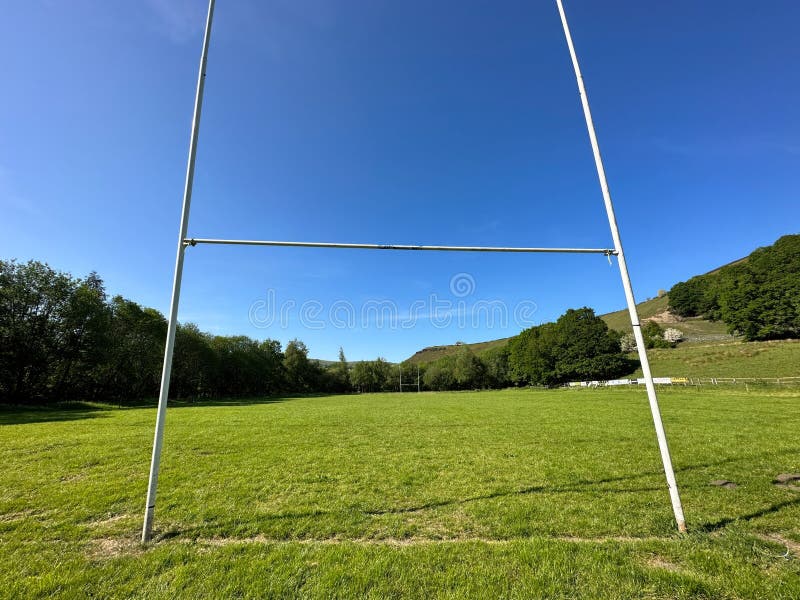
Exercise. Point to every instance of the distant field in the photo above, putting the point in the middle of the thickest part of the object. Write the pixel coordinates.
(516, 493)
(731, 359)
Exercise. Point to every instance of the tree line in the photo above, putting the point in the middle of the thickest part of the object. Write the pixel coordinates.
(757, 298)
(63, 338)
(578, 346)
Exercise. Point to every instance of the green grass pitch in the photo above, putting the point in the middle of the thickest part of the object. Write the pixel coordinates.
(515, 494)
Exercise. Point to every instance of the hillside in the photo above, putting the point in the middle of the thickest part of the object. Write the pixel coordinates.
(432, 353)
(695, 329)
(727, 359)
(716, 358)
(754, 296)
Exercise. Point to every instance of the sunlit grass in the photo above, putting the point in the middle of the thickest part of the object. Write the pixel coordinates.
(517, 493)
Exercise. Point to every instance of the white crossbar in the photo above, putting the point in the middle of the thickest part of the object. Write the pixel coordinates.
(195, 241)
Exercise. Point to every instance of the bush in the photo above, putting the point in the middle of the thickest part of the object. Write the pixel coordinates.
(627, 343)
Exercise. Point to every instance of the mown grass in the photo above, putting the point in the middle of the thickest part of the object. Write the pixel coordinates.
(517, 493)
(779, 358)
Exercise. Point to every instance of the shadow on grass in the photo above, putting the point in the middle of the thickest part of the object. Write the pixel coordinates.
(71, 411)
(773, 508)
(23, 415)
(583, 486)
(208, 527)
(537, 489)
(694, 467)
(229, 402)
(210, 402)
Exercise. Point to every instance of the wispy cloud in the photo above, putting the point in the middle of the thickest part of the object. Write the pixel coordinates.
(740, 147)
(179, 20)
(278, 29)
(482, 226)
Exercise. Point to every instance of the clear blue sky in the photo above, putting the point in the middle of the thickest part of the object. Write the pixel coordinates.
(394, 122)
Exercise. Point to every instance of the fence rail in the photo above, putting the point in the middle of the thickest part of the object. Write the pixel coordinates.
(690, 381)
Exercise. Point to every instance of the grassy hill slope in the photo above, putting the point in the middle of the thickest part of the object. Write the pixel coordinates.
(620, 320)
(730, 359)
(695, 329)
(432, 353)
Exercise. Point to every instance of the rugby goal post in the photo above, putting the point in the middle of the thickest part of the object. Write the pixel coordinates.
(184, 242)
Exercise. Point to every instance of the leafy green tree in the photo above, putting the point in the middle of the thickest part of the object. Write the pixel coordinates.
(439, 375)
(82, 340)
(53, 333)
(62, 339)
(691, 298)
(577, 346)
(495, 361)
(272, 371)
(241, 366)
(531, 357)
(381, 374)
(371, 375)
(758, 298)
(468, 371)
(341, 372)
(132, 369)
(300, 373)
(194, 364)
(360, 377)
(653, 335)
(34, 303)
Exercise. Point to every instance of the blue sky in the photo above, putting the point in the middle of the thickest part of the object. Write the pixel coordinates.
(394, 122)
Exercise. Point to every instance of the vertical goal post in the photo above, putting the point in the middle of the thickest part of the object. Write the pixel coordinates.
(414, 383)
(184, 242)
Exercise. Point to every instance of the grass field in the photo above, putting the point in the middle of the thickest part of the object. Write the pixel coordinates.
(517, 494)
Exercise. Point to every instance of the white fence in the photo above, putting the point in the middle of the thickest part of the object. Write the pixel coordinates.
(690, 381)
